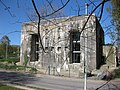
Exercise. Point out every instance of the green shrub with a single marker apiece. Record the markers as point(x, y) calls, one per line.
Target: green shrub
point(8, 67)
point(117, 73)
point(33, 70)
point(25, 60)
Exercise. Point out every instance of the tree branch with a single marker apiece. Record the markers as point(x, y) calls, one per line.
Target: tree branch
point(101, 11)
point(39, 18)
point(56, 10)
point(92, 13)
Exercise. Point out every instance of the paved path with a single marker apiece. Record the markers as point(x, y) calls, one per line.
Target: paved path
point(57, 83)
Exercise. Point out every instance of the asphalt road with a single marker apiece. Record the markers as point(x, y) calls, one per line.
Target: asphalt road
point(57, 83)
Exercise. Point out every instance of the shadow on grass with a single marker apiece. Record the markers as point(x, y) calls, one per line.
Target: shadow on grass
point(16, 77)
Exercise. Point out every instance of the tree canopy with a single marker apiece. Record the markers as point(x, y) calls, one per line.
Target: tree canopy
point(12, 50)
point(5, 39)
point(115, 11)
point(114, 32)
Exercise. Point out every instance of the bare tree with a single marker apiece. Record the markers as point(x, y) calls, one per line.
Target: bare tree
point(49, 11)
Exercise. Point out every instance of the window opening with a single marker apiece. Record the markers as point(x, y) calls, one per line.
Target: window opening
point(75, 47)
point(34, 47)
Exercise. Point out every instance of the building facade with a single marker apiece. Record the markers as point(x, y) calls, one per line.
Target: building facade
point(110, 55)
point(118, 55)
point(67, 46)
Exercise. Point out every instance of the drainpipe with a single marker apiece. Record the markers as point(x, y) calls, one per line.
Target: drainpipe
point(86, 8)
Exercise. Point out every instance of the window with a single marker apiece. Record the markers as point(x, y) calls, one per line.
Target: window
point(75, 36)
point(66, 48)
point(46, 41)
point(58, 31)
point(46, 49)
point(52, 48)
point(76, 58)
point(59, 49)
point(75, 47)
point(34, 47)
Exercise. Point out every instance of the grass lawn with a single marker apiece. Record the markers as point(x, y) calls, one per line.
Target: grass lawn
point(5, 87)
point(117, 73)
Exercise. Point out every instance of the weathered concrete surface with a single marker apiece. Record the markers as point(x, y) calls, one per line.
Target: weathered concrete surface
point(66, 48)
point(110, 55)
point(57, 83)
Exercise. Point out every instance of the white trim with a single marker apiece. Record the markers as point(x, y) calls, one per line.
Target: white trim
point(76, 51)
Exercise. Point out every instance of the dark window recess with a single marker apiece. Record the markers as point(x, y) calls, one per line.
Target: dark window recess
point(46, 48)
point(46, 42)
point(76, 58)
point(58, 31)
point(34, 48)
point(59, 49)
point(52, 48)
point(75, 47)
point(75, 36)
point(58, 37)
point(66, 48)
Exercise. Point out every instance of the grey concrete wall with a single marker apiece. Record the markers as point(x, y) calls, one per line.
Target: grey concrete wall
point(55, 36)
point(110, 54)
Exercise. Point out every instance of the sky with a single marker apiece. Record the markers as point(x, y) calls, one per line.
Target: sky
point(13, 13)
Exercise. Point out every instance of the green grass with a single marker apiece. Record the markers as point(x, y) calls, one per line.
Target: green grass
point(117, 73)
point(32, 70)
point(9, 60)
point(5, 87)
point(6, 66)
point(11, 65)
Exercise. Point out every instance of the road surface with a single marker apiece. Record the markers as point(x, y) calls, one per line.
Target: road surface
point(57, 83)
